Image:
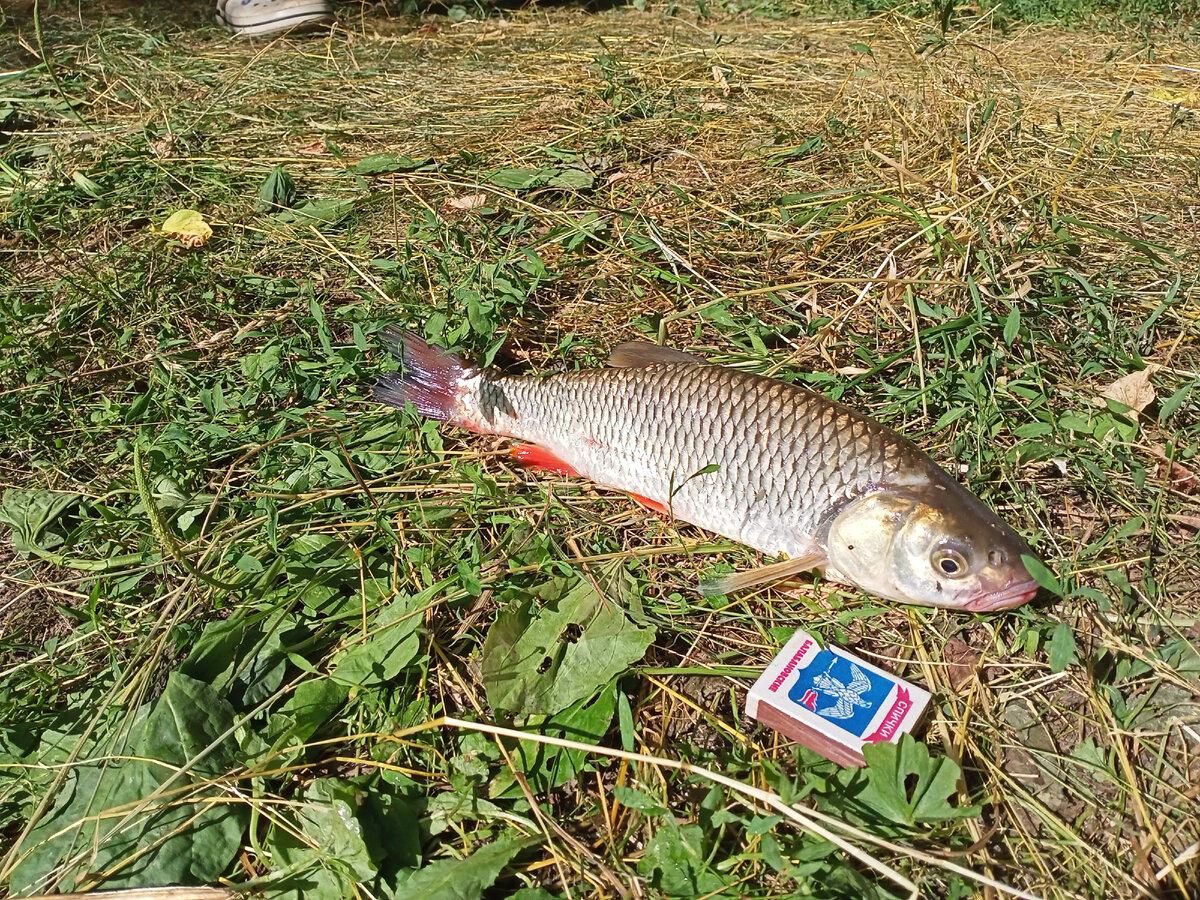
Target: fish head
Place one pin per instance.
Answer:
(935, 545)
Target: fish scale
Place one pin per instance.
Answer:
(765, 462)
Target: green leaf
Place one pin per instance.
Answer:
(519, 179)
(625, 717)
(248, 564)
(86, 185)
(547, 766)
(1061, 650)
(1012, 325)
(323, 850)
(556, 645)
(639, 800)
(187, 721)
(463, 879)
(534, 893)
(572, 180)
(330, 816)
(213, 654)
(386, 163)
(29, 513)
(1171, 405)
(391, 644)
(1041, 574)
(278, 191)
(318, 212)
(906, 785)
(675, 863)
(178, 837)
(1033, 429)
(311, 706)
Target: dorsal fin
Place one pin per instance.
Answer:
(636, 354)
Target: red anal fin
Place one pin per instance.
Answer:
(652, 505)
(540, 458)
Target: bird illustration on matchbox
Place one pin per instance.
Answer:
(759, 460)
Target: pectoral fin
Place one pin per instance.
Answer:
(727, 584)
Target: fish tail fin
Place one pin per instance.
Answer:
(428, 377)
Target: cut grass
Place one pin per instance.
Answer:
(967, 234)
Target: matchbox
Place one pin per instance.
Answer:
(832, 701)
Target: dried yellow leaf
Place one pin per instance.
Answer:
(1133, 390)
(188, 227)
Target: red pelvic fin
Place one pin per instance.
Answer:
(652, 505)
(540, 458)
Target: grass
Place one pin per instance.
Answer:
(288, 657)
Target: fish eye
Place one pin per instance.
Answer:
(949, 562)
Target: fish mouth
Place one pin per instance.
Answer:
(1010, 596)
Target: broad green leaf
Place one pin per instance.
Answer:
(187, 721)
(519, 179)
(556, 645)
(1033, 429)
(391, 644)
(248, 564)
(330, 816)
(1182, 655)
(1061, 650)
(1086, 751)
(675, 862)
(220, 656)
(547, 766)
(463, 879)
(769, 847)
(168, 842)
(30, 512)
(312, 704)
(1012, 325)
(174, 838)
(278, 191)
(318, 212)
(906, 785)
(385, 163)
(572, 179)
(1041, 574)
(323, 851)
(86, 185)
(639, 800)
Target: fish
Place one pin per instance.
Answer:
(770, 464)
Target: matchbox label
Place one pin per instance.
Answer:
(834, 697)
(790, 665)
(840, 691)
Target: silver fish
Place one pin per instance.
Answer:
(767, 463)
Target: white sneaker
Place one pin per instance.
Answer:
(251, 17)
